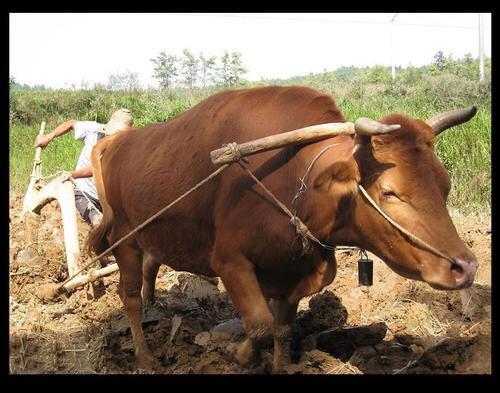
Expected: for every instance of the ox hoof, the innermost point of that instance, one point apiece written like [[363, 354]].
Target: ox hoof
[[148, 296], [148, 302], [244, 354], [146, 361], [281, 368]]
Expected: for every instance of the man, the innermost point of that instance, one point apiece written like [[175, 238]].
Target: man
[[89, 132]]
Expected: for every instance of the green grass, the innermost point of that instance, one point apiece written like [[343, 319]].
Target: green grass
[[464, 150]]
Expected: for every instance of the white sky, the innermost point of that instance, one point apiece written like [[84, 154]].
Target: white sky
[[59, 49]]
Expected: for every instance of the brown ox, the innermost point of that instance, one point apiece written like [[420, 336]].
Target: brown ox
[[231, 229]]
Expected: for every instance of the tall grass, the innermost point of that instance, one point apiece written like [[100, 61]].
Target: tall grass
[[464, 150]]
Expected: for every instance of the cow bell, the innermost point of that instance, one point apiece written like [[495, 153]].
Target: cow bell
[[365, 271]]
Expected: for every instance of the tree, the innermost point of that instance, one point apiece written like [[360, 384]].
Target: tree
[[190, 68], [126, 81], [236, 69], [165, 69], [439, 60], [207, 65], [224, 69], [468, 59], [231, 68]]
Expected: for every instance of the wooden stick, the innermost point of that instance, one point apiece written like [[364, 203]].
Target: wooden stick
[[92, 276], [38, 154], [35, 173], [227, 154]]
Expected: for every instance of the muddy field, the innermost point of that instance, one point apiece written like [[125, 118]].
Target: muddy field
[[394, 326]]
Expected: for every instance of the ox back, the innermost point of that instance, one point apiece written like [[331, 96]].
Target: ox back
[[146, 168]]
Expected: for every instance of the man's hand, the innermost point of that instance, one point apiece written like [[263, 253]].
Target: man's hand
[[43, 140], [82, 172], [66, 176], [63, 128]]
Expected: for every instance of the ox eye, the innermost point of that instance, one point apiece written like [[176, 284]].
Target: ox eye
[[387, 194]]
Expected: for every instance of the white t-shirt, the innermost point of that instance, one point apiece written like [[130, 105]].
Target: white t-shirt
[[89, 132]]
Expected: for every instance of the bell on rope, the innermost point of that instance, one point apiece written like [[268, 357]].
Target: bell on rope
[[365, 270]]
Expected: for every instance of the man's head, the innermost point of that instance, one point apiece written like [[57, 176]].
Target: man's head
[[119, 121]]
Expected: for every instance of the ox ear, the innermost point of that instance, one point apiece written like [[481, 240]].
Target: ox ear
[[366, 131], [341, 177], [362, 142]]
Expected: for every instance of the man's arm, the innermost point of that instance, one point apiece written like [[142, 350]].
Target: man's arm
[[63, 128], [82, 172]]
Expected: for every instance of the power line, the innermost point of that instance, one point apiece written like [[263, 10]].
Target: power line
[[329, 20]]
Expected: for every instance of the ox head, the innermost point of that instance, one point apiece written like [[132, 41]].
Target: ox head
[[403, 175]]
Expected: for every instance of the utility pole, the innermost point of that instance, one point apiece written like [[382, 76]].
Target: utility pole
[[392, 50], [481, 49]]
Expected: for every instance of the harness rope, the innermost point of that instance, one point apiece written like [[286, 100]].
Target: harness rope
[[301, 228], [139, 227]]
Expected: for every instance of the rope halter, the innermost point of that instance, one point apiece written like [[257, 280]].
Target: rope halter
[[416, 239]]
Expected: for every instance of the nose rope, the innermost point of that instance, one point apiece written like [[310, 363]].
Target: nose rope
[[415, 238]]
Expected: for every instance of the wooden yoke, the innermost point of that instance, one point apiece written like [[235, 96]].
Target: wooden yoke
[[232, 152]]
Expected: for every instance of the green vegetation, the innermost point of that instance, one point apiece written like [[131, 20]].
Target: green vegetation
[[369, 92]]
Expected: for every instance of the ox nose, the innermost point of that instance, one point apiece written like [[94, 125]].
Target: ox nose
[[463, 270]]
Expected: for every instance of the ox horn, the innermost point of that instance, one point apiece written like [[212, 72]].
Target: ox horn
[[367, 127], [445, 120]]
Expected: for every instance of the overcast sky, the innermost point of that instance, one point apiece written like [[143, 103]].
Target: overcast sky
[[60, 49]]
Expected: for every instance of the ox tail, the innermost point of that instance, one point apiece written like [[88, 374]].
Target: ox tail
[[98, 238], [97, 241]]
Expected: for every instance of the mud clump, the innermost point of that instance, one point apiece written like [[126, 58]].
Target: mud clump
[[325, 311], [48, 292]]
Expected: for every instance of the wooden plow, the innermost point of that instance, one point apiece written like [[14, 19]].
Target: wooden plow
[[61, 189], [37, 196]]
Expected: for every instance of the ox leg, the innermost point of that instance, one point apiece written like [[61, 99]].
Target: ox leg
[[129, 259], [241, 283], [149, 272], [284, 316]]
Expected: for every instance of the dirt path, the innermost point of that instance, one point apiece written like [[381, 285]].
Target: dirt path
[[426, 331]]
